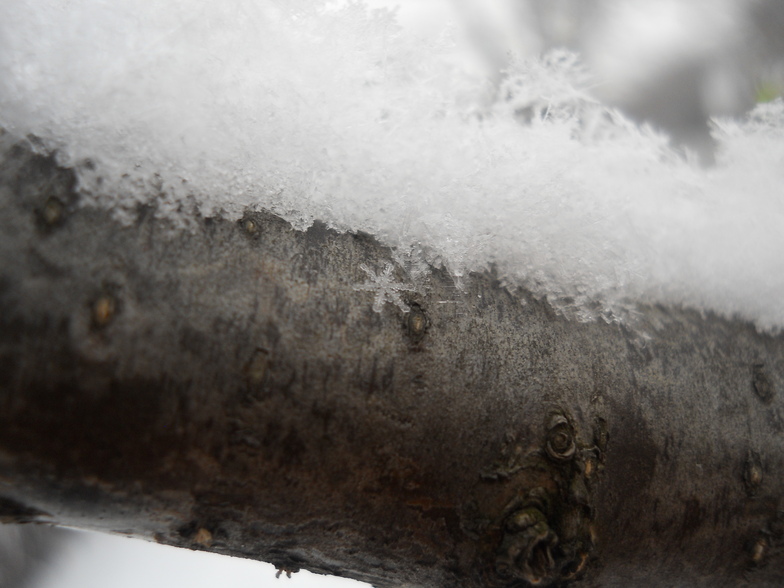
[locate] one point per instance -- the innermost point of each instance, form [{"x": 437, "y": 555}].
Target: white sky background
[{"x": 95, "y": 560}]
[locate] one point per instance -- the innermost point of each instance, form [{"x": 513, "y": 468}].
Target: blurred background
[
  {"x": 36, "y": 556},
  {"x": 672, "y": 63}
]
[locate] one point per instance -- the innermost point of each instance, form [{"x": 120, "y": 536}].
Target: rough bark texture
[{"x": 231, "y": 389}]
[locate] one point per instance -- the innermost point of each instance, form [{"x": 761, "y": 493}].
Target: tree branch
[{"x": 232, "y": 389}]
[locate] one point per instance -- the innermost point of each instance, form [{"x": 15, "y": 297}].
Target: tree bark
[{"x": 231, "y": 388}]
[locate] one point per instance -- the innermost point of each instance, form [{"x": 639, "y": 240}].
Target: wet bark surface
[{"x": 232, "y": 388}]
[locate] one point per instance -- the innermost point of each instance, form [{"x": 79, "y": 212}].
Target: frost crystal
[{"x": 385, "y": 288}]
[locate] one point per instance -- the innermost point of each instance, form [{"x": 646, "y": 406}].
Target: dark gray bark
[{"x": 231, "y": 389}]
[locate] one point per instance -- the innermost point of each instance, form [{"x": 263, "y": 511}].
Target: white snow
[{"x": 331, "y": 111}]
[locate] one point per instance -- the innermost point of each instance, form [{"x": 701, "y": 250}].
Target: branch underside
[{"x": 233, "y": 389}]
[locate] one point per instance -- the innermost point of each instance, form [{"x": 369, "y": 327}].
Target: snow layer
[{"x": 330, "y": 111}]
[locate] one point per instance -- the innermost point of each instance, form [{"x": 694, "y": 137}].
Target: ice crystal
[{"x": 385, "y": 288}]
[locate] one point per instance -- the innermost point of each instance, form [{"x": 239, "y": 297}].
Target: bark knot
[{"x": 547, "y": 532}]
